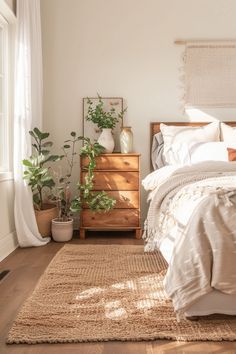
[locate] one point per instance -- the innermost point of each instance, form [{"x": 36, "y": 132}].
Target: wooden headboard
[{"x": 155, "y": 126}]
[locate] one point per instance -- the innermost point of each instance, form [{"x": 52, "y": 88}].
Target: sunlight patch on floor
[
  {"x": 146, "y": 304},
  {"x": 129, "y": 284},
  {"x": 114, "y": 310},
  {"x": 157, "y": 295},
  {"x": 89, "y": 293}
]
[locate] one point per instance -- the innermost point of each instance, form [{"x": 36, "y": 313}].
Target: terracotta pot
[
  {"x": 62, "y": 231},
  {"x": 44, "y": 218}
]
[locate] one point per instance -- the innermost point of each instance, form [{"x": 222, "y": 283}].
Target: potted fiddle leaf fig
[
  {"x": 39, "y": 178},
  {"x": 62, "y": 225},
  {"x": 105, "y": 120}
]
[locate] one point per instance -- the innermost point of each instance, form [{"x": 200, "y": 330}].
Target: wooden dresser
[{"x": 118, "y": 175}]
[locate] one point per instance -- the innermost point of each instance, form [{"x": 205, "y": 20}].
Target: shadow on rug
[{"x": 100, "y": 293}]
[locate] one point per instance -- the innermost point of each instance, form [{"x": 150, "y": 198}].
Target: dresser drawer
[
  {"x": 124, "y": 199},
  {"x": 114, "y": 218},
  {"x": 115, "y": 162},
  {"x": 115, "y": 180}
]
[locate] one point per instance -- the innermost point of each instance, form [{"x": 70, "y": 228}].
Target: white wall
[{"x": 124, "y": 48}]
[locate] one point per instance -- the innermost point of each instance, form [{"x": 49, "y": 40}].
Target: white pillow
[
  {"x": 214, "y": 151},
  {"x": 180, "y": 135},
  {"x": 188, "y": 154},
  {"x": 179, "y": 154},
  {"x": 228, "y": 133}
]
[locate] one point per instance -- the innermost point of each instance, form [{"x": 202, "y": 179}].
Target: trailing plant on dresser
[{"x": 96, "y": 201}]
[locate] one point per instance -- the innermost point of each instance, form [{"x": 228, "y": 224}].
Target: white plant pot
[
  {"x": 106, "y": 140},
  {"x": 62, "y": 231}
]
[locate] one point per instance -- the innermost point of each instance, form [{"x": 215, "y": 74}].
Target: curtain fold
[{"x": 27, "y": 114}]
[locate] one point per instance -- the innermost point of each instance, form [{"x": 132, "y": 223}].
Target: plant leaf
[
  {"x": 47, "y": 144},
  {"x": 37, "y": 132},
  {"x": 53, "y": 158},
  {"x": 44, "y": 135},
  {"x": 27, "y": 163},
  {"x": 45, "y": 152}
]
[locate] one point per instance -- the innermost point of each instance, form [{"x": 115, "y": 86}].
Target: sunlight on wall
[
  {"x": 195, "y": 114},
  {"x": 209, "y": 115}
]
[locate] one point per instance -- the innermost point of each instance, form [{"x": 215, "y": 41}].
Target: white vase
[
  {"x": 106, "y": 140},
  {"x": 62, "y": 231},
  {"x": 126, "y": 140}
]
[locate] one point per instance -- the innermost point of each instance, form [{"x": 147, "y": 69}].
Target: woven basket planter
[{"x": 44, "y": 218}]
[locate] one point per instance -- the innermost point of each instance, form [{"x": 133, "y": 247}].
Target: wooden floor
[{"x": 27, "y": 265}]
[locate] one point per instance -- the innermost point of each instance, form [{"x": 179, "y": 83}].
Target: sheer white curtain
[{"x": 28, "y": 114}]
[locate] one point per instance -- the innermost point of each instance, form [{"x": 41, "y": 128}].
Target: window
[
  {"x": 7, "y": 20},
  {"x": 4, "y": 114}
]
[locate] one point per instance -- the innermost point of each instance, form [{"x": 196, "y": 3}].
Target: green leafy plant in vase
[{"x": 105, "y": 120}]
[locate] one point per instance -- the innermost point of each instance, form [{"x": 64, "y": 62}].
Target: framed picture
[{"x": 90, "y": 130}]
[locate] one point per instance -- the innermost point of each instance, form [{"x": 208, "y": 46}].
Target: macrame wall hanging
[{"x": 209, "y": 74}]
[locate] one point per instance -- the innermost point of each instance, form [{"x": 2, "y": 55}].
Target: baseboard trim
[{"x": 7, "y": 245}]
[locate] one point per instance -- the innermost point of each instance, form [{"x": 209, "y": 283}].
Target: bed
[{"x": 191, "y": 216}]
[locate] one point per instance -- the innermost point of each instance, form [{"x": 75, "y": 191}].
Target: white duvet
[{"x": 195, "y": 206}]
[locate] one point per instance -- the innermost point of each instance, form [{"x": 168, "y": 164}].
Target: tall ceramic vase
[
  {"x": 106, "y": 140},
  {"x": 126, "y": 140}
]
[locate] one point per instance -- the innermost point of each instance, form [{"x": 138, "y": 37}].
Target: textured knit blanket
[{"x": 196, "y": 207}]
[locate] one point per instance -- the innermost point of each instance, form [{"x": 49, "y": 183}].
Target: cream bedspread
[{"x": 196, "y": 206}]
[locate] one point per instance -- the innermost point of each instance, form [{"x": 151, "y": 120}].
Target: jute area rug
[{"x": 102, "y": 293}]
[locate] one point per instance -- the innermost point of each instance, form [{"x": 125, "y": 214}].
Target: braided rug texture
[{"x": 102, "y": 293}]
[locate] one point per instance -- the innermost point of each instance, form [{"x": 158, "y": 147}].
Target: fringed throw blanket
[{"x": 196, "y": 206}]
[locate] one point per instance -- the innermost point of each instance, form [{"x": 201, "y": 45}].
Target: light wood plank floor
[{"x": 27, "y": 265}]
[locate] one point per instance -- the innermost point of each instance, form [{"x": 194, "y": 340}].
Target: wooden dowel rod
[
  {"x": 183, "y": 42},
  {"x": 180, "y": 42}
]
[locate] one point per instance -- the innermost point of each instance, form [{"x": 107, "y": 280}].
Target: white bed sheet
[{"x": 214, "y": 302}]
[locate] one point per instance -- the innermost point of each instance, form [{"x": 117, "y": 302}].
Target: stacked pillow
[
  {"x": 228, "y": 135},
  {"x": 186, "y": 144}
]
